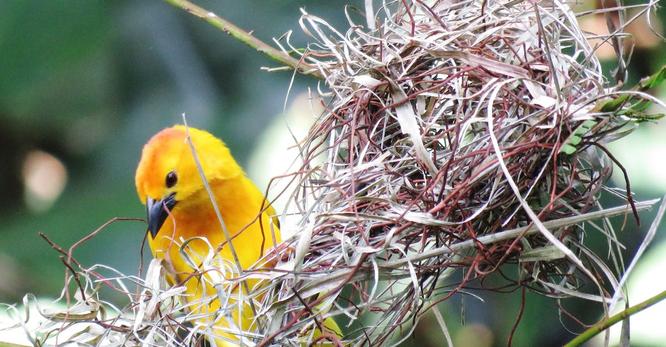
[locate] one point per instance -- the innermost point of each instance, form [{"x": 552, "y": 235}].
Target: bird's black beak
[{"x": 158, "y": 211}]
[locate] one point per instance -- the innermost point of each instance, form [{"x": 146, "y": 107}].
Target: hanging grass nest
[{"x": 459, "y": 137}]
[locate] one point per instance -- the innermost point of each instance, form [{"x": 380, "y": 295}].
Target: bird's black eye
[{"x": 171, "y": 179}]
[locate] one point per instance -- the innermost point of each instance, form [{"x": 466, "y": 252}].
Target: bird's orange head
[{"x": 167, "y": 176}]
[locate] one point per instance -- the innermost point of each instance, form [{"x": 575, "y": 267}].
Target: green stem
[
  {"x": 10, "y": 344},
  {"x": 247, "y": 38},
  {"x": 605, "y": 324}
]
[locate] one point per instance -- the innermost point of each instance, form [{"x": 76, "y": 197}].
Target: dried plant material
[{"x": 461, "y": 136}]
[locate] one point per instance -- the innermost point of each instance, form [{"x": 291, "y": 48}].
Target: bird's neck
[{"x": 235, "y": 198}]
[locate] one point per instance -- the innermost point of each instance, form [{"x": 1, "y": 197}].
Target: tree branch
[{"x": 247, "y": 38}]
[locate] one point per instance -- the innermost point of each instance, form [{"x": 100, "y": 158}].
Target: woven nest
[{"x": 459, "y": 137}]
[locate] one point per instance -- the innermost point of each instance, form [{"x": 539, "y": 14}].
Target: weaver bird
[{"x": 185, "y": 231}]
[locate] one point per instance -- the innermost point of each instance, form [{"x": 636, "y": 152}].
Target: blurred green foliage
[{"x": 90, "y": 80}]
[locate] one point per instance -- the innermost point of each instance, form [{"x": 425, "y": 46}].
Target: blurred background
[{"x": 84, "y": 84}]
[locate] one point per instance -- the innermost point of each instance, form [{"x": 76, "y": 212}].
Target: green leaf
[
  {"x": 654, "y": 80},
  {"x": 646, "y": 83},
  {"x": 568, "y": 149},
  {"x": 569, "y": 146},
  {"x": 641, "y": 117}
]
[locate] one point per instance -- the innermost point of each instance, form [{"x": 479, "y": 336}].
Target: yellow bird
[{"x": 185, "y": 230}]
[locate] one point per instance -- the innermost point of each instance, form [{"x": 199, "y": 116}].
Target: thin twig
[
  {"x": 247, "y": 38},
  {"x": 607, "y": 323}
]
